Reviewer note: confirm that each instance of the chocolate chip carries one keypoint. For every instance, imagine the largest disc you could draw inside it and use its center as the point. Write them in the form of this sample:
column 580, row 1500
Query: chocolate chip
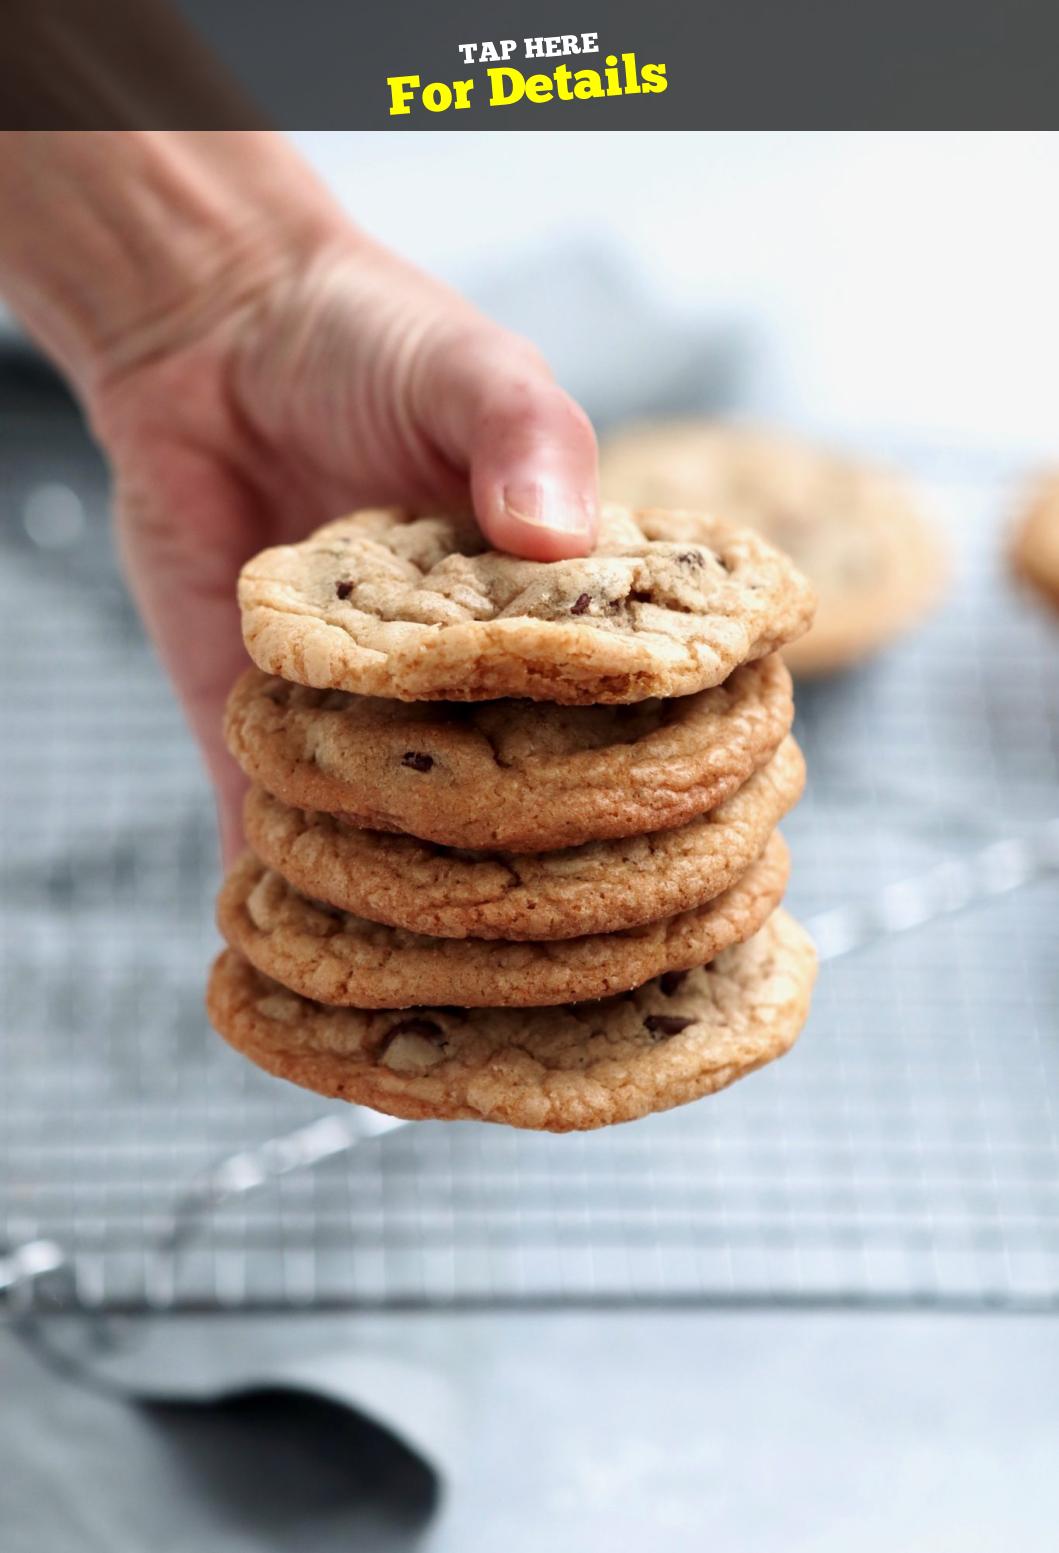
column 671, row 981
column 690, row 558
column 417, row 761
column 580, row 604
column 343, row 589
column 422, row 1027
column 666, row 1024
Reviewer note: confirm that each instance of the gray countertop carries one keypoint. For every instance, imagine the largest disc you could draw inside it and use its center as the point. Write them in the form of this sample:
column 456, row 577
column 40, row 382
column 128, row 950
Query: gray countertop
column 749, row 1430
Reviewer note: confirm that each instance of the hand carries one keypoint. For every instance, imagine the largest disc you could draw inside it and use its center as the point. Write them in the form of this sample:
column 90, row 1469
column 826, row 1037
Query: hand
column 306, row 385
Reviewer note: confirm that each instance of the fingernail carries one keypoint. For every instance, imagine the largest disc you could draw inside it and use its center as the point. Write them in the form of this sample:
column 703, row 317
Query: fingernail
column 545, row 507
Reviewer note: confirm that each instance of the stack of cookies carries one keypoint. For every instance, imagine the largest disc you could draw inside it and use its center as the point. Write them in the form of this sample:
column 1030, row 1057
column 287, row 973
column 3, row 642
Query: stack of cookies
column 513, row 823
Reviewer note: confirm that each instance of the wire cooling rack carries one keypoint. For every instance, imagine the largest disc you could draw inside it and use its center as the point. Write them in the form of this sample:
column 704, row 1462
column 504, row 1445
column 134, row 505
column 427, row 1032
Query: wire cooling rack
column 907, row 1151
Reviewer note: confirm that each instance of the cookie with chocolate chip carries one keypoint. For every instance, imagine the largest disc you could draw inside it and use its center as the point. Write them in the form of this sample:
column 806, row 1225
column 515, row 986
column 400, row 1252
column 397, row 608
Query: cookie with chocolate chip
column 855, row 531
column 584, row 1065
column 511, row 774
column 599, row 887
column 1035, row 550
column 387, row 603
column 336, row 957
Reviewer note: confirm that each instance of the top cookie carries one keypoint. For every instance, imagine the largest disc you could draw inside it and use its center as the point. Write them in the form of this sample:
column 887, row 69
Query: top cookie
column 1035, row 552
column 855, row 531
column 416, row 608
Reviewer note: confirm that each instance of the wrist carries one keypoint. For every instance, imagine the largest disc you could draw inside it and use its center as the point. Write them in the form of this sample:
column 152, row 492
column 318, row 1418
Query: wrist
column 162, row 236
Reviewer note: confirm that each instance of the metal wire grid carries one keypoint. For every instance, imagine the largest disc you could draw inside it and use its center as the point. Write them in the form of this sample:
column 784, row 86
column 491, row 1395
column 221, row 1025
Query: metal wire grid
column 907, row 1150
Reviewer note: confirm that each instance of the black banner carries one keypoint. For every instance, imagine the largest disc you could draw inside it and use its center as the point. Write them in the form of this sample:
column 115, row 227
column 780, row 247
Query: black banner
column 534, row 65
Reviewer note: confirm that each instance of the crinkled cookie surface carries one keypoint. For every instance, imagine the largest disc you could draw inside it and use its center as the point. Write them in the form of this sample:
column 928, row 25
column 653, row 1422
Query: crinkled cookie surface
column 515, row 774
column 584, row 1065
column 599, row 887
column 386, row 603
column 336, row 957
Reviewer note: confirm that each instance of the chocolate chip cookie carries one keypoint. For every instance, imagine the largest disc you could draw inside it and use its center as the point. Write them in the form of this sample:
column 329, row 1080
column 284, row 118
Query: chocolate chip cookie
column 385, row 603
column 335, row 957
column 516, row 775
column 599, row 887
column 856, row 533
column 585, row 1065
column 1035, row 552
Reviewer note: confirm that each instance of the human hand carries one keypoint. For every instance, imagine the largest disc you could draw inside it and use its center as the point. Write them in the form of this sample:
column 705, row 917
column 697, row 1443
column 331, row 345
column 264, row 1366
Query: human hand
column 296, row 375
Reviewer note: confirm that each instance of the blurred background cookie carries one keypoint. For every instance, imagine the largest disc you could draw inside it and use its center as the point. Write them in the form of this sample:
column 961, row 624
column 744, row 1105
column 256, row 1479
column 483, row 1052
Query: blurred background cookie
column 854, row 530
column 1035, row 549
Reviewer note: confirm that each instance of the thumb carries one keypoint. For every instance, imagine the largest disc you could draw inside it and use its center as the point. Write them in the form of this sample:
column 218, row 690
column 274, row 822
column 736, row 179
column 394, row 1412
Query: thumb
column 529, row 449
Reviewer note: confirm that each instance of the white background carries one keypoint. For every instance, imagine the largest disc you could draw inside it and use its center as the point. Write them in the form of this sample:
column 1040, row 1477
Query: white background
column 904, row 283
